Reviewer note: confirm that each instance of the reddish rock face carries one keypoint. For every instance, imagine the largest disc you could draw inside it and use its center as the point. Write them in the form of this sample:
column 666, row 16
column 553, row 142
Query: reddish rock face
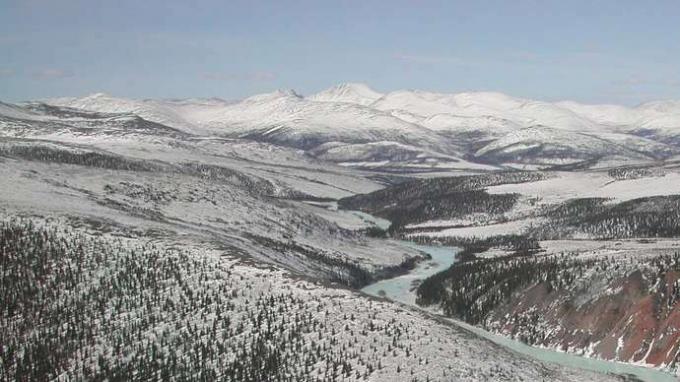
column 633, row 318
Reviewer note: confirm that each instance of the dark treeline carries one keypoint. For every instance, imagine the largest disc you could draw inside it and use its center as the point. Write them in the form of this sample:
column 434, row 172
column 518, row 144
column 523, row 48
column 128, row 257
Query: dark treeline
column 450, row 206
column 518, row 244
column 335, row 269
column 252, row 184
column 439, row 198
column 656, row 216
column 471, row 290
column 622, row 173
column 432, row 188
column 89, row 158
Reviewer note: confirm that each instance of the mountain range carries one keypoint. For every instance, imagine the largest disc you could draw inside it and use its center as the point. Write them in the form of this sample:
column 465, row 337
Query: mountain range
column 353, row 125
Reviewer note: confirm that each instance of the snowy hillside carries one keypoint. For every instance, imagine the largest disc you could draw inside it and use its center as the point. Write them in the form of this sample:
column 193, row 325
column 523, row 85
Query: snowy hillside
column 104, row 103
column 183, row 310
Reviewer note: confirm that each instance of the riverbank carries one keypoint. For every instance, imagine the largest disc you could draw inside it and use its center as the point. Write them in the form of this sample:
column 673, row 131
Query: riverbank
column 403, row 289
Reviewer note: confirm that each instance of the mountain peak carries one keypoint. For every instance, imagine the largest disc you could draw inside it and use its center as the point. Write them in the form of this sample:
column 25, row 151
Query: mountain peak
column 352, row 87
column 94, row 96
column 662, row 106
column 357, row 93
column 277, row 94
column 99, row 95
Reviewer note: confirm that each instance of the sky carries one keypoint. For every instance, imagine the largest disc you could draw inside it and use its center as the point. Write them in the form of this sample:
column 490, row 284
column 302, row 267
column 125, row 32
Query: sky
column 596, row 51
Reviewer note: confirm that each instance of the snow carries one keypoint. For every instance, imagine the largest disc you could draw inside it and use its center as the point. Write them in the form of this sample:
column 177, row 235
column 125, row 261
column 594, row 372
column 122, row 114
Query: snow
column 355, row 93
column 353, row 113
column 469, row 220
column 384, row 153
column 603, row 114
column 507, row 228
column 601, row 248
column 105, row 103
column 352, row 220
column 428, row 104
column 571, row 185
column 668, row 184
column 561, row 146
column 13, row 111
column 488, row 125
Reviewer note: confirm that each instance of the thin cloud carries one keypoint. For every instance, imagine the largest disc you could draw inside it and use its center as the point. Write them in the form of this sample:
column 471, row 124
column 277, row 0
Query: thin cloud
column 9, row 40
column 524, row 56
column 427, row 59
column 51, row 73
column 638, row 88
column 252, row 76
column 6, row 72
column 638, row 80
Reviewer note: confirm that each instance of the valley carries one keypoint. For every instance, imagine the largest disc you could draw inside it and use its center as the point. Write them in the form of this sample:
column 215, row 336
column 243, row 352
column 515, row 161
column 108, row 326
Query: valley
column 288, row 237
column 404, row 289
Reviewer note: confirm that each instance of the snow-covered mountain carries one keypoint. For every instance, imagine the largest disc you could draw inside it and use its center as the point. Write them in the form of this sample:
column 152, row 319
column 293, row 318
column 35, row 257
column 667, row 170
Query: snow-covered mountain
column 103, row 103
column 359, row 94
column 484, row 127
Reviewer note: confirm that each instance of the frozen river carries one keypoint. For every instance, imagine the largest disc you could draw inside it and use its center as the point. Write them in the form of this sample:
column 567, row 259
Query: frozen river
column 401, row 289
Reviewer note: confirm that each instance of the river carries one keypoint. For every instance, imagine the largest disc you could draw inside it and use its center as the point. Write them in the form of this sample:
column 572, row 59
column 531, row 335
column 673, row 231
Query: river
column 401, row 289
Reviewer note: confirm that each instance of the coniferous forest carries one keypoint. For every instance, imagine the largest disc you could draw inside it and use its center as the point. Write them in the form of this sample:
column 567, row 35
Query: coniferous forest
column 81, row 307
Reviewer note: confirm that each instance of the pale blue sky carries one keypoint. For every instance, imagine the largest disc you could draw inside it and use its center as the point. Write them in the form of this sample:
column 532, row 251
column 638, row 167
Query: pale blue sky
column 590, row 51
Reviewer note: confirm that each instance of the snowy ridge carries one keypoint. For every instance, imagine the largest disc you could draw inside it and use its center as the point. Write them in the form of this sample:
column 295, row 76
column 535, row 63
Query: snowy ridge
column 492, row 128
column 359, row 94
column 103, row 103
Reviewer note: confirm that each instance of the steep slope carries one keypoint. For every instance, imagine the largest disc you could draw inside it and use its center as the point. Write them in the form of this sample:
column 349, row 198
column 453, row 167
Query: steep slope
column 619, row 304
